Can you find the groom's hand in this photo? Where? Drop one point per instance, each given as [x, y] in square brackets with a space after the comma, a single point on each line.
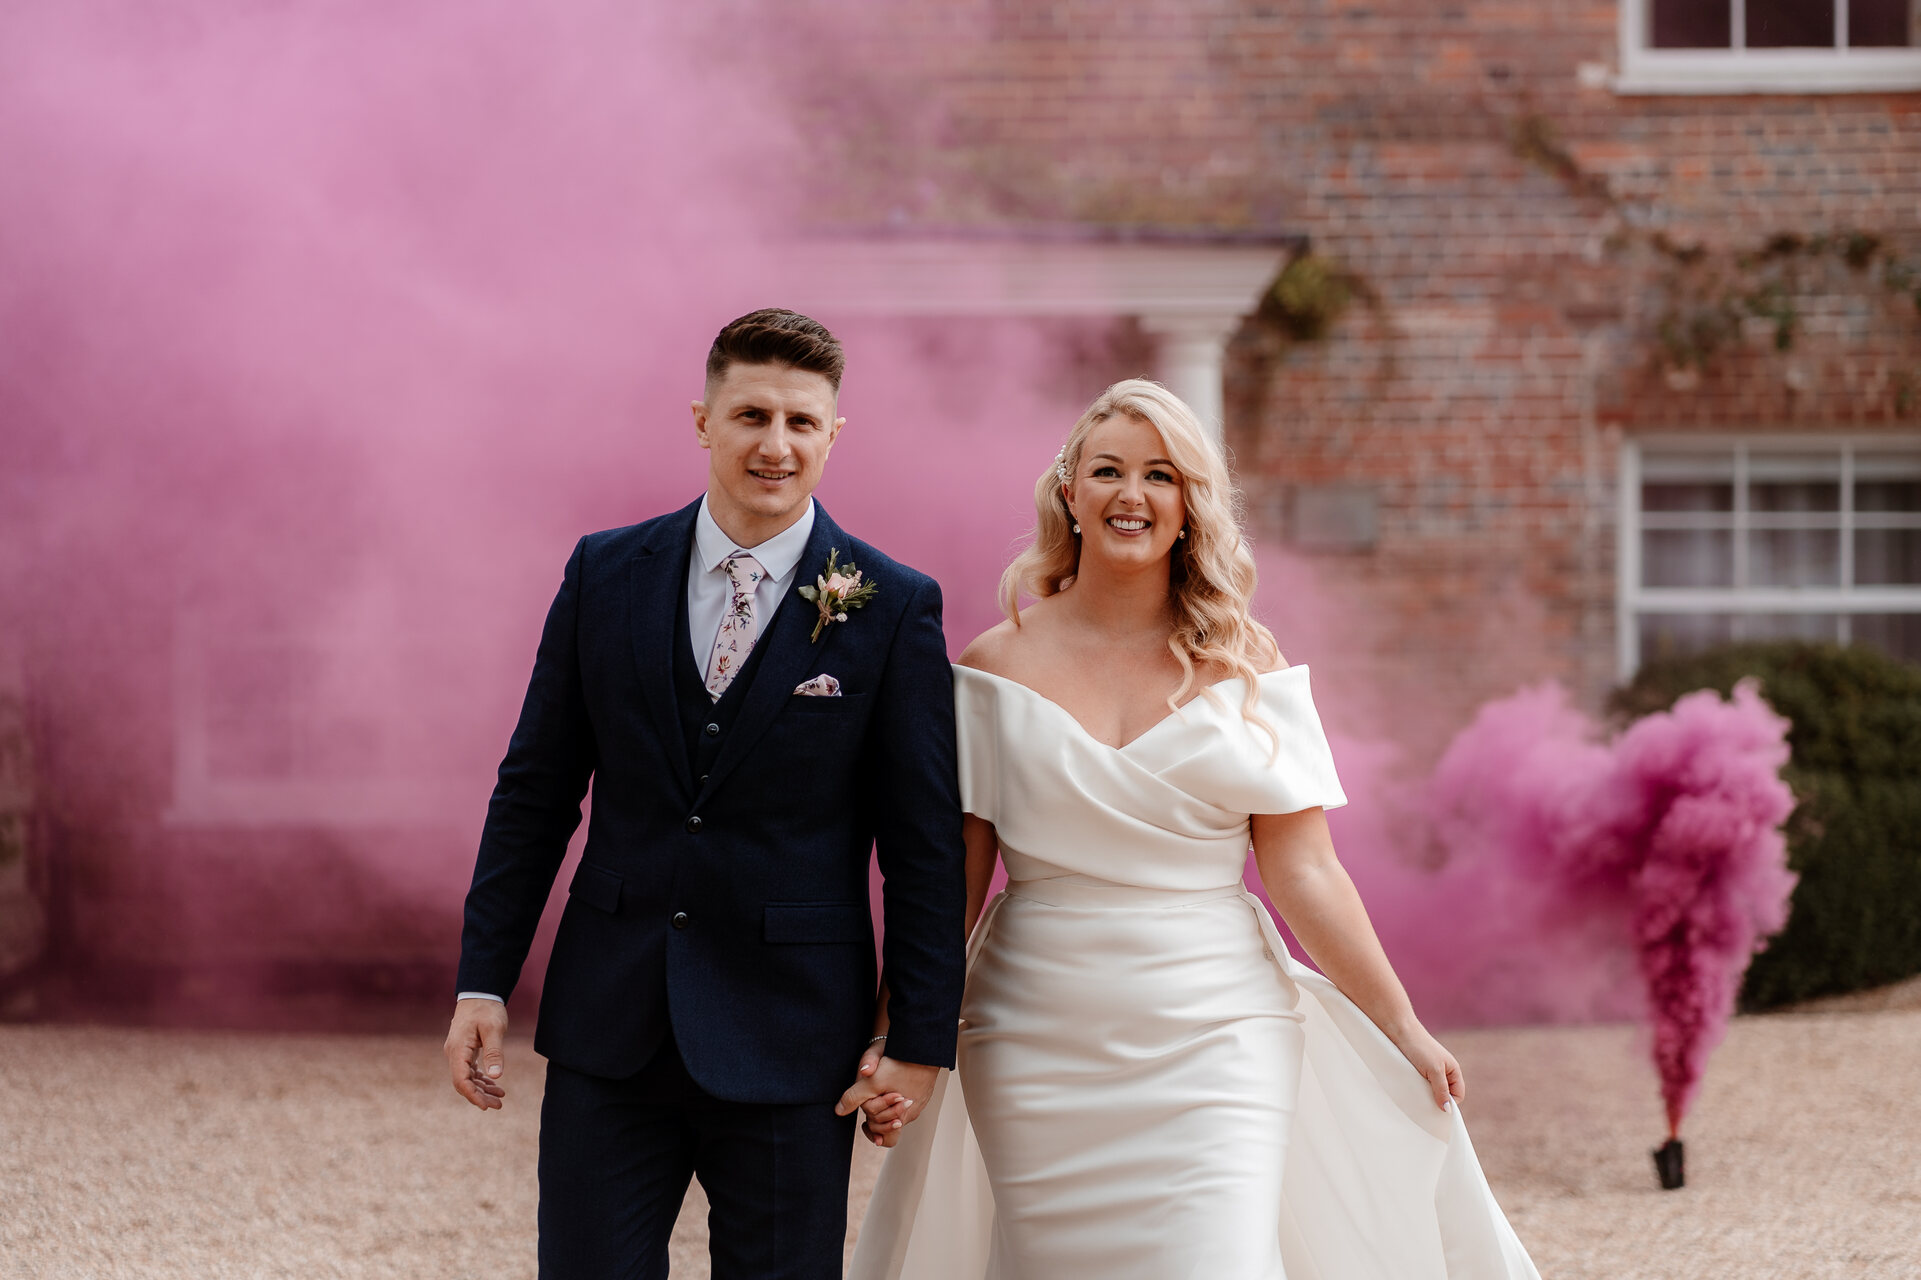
[476, 1052]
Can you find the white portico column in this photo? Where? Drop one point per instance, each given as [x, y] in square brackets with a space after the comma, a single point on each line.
[1190, 352]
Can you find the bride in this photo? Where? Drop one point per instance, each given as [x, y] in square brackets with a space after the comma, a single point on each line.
[1148, 1085]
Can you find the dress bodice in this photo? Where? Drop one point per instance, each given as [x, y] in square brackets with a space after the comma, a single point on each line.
[1169, 810]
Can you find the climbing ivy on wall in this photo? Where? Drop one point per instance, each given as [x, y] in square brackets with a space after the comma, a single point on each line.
[1709, 296]
[1704, 295]
[1309, 295]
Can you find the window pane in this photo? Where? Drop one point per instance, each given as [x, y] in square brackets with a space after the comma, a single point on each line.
[1682, 495]
[1896, 634]
[1887, 557]
[1803, 495]
[1688, 481]
[1887, 482]
[1790, 24]
[1878, 24]
[1673, 635]
[1687, 558]
[1689, 24]
[1888, 495]
[1794, 495]
[1794, 558]
[1794, 481]
[1788, 626]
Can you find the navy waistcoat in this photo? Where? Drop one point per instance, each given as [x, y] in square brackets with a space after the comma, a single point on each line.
[704, 723]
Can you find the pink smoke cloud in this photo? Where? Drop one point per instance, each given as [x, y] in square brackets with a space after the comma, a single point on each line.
[329, 330]
[342, 322]
[1669, 837]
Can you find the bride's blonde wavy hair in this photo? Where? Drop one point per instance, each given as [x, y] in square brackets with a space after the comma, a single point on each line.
[1212, 576]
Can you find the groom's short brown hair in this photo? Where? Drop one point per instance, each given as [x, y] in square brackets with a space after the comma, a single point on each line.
[773, 335]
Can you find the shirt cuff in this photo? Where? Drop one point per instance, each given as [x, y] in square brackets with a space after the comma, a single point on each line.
[480, 995]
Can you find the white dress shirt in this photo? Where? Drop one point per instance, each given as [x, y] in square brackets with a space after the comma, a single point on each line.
[709, 593]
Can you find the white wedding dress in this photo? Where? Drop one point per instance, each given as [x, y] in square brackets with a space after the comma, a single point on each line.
[1149, 1086]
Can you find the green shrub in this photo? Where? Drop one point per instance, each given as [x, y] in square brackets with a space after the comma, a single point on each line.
[1855, 836]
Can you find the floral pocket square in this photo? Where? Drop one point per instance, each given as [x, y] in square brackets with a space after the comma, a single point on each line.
[821, 686]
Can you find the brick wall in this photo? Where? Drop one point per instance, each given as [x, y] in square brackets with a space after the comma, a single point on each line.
[1483, 399]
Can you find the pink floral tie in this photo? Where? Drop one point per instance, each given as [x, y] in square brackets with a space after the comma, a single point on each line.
[739, 628]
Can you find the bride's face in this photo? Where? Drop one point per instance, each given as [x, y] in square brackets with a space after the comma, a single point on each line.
[1126, 495]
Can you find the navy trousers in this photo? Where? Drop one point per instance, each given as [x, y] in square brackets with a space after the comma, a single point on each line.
[616, 1157]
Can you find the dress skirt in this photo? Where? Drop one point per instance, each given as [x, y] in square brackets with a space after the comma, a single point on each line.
[1134, 1066]
[1132, 1058]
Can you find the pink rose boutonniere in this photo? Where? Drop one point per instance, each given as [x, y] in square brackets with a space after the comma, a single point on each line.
[836, 591]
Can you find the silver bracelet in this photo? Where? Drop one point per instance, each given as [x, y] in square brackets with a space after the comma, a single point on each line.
[877, 1039]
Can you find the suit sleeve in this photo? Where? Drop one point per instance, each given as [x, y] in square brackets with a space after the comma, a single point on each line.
[535, 806]
[917, 831]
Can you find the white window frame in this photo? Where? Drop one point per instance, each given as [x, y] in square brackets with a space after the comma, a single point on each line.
[1633, 599]
[201, 798]
[1741, 70]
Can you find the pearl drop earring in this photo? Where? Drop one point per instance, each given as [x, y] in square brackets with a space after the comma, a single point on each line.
[1077, 528]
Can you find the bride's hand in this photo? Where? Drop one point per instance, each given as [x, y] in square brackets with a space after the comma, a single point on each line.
[883, 1117]
[882, 1133]
[1436, 1065]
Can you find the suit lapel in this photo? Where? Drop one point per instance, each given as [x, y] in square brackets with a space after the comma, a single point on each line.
[789, 654]
[658, 584]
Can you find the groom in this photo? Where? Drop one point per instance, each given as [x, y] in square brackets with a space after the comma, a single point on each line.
[712, 986]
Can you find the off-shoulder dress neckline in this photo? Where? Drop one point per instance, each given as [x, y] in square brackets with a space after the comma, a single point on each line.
[1069, 716]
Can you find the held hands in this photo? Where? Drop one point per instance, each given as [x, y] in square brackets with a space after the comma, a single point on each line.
[476, 1052]
[1436, 1065]
[888, 1094]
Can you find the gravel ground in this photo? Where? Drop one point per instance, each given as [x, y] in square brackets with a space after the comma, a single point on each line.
[167, 1154]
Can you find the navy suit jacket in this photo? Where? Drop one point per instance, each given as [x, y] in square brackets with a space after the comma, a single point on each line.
[731, 912]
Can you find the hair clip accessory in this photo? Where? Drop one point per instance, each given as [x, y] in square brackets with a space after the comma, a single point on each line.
[1060, 465]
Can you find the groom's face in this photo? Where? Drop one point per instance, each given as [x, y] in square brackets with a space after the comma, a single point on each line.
[767, 429]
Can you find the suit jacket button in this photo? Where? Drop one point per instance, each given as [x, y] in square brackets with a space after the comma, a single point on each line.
[680, 919]
[713, 731]
[693, 824]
